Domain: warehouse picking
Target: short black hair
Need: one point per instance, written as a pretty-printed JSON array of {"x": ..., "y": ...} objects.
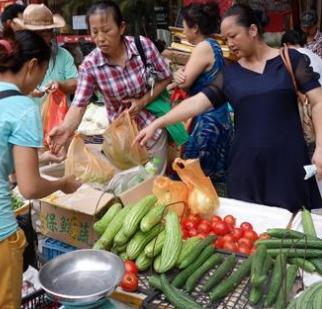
[
  {"x": 291, "y": 37},
  {"x": 11, "y": 11},
  {"x": 108, "y": 6}
]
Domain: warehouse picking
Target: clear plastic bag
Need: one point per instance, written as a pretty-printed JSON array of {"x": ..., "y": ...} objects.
[
  {"x": 118, "y": 140},
  {"x": 86, "y": 165}
]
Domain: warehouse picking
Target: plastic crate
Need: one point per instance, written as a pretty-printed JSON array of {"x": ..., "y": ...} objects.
[
  {"x": 38, "y": 300},
  {"x": 52, "y": 248}
]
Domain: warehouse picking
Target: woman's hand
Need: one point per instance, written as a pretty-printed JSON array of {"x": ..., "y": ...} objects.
[
  {"x": 57, "y": 138},
  {"x": 52, "y": 86},
  {"x": 146, "y": 133},
  {"x": 317, "y": 160},
  {"x": 71, "y": 184},
  {"x": 48, "y": 157},
  {"x": 136, "y": 106},
  {"x": 36, "y": 93},
  {"x": 179, "y": 76}
]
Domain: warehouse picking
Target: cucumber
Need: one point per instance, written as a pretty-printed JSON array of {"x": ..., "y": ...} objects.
[
  {"x": 152, "y": 218},
  {"x": 154, "y": 247},
  {"x": 187, "y": 247},
  {"x": 283, "y": 295},
  {"x": 304, "y": 264},
  {"x": 307, "y": 223},
  {"x": 257, "y": 277},
  {"x": 196, "y": 252},
  {"x": 232, "y": 281},
  {"x": 155, "y": 282},
  {"x": 123, "y": 256},
  {"x": 276, "y": 280},
  {"x": 256, "y": 293},
  {"x": 143, "y": 262},
  {"x": 286, "y": 233},
  {"x": 137, "y": 212},
  {"x": 120, "y": 238},
  {"x": 140, "y": 240},
  {"x": 198, "y": 273},
  {"x": 181, "y": 278},
  {"x": 156, "y": 263},
  {"x": 101, "y": 225},
  {"x": 317, "y": 264},
  {"x": 291, "y": 243},
  {"x": 178, "y": 300},
  {"x": 106, "y": 240},
  {"x": 306, "y": 298},
  {"x": 303, "y": 253},
  {"x": 172, "y": 243},
  {"x": 226, "y": 267}
]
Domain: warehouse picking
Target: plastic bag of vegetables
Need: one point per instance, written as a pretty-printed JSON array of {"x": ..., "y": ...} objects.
[{"x": 202, "y": 196}]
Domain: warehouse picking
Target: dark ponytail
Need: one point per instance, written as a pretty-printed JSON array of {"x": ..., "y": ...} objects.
[
  {"x": 205, "y": 16},
  {"x": 246, "y": 17},
  {"x": 22, "y": 47}
]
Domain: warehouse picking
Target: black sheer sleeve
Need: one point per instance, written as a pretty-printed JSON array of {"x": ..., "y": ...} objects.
[
  {"x": 306, "y": 78},
  {"x": 214, "y": 91}
]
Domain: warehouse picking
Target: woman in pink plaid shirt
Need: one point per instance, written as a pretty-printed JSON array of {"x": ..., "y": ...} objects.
[{"x": 116, "y": 69}]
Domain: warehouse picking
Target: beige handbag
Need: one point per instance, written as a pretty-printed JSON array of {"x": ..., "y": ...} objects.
[{"x": 302, "y": 100}]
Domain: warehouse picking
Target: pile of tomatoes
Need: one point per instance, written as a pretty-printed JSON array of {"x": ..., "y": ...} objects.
[
  {"x": 229, "y": 237},
  {"x": 130, "y": 280}
]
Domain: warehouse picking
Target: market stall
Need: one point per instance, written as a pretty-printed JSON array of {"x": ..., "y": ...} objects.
[{"x": 233, "y": 255}]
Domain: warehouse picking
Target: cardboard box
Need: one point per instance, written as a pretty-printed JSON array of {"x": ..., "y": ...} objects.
[{"x": 70, "y": 217}]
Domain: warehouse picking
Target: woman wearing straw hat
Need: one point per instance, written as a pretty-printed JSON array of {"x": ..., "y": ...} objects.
[{"x": 62, "y": 72}]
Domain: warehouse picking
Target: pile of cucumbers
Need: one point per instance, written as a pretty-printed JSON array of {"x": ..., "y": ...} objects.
[{"x": 147, "y": 233}]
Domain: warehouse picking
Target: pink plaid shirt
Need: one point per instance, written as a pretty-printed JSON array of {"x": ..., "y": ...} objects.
[
  {"x": 117, "y": 83},
  {"x": 316, "y": 45}
]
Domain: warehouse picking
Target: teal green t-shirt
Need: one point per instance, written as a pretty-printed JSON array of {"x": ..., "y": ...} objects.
[
  {"x": 20, "y": 124},
  {"x": 59, "y": 69}
]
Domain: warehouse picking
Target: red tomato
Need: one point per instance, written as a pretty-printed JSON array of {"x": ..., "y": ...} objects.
[
  {"x": 230, "y": 220},
  {"x": 205, "y": 221},
  {"x": 251, "y": 235},
  {"x": 245, "y": 242},
  {"x": 204, "y": 227},
  {"x": 218, "y": 243},
  {"x": 229, "y": 238},
  {"x": 129, "y": 282},
  {"x": 252, "y": 250},
  {"x": 246, "y": 226},
  {"x": 202, "y": 235},
  {"x": 243, "y": 249},
  {"x": 215, "y": 219},
  {"x": 194, "y": 218},
  {"x": 188, "y": 225},
  {"x": 185, "y": 234},
  {"x": 193, "y": 232},
  {"x": 230, "y": 246},
  {"x": 264, "y": 236},
  {"x": 230, "y": 227},
  {"x": 237, "y": 233},
  {"x": 220, "y": 228},
  {"x": 130, "y": 267}
]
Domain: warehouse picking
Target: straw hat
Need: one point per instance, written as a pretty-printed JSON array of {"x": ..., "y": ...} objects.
[{"x": 39, "y": 17}]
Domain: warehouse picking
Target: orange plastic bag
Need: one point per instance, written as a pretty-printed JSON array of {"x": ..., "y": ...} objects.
[
  {"x": 202, "y": 198},
  {"x": 117, "y": 145},
  {"x": 171, "y": 192},
  {"x": 54, "y": 110},
  {"x": 85, "y": 165}
]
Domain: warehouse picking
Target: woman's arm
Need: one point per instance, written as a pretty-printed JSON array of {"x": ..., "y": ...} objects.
[
  {"x": 31, "y": 185},
  {"x": 315, "y": 97},
  {"x": 188, "y": 108},
  {"x": 201, "y": 58}
]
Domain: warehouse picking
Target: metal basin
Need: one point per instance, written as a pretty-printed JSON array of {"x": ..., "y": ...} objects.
[{"x": 81, "y": 277}]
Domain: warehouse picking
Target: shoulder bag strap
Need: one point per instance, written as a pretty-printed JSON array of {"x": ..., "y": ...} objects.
[
  {"x": 9, "y": 93},
  {"x": 140, "y": 49}
]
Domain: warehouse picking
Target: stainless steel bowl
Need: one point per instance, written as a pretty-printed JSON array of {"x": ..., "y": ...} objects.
[{"x": 81, "y": 277}]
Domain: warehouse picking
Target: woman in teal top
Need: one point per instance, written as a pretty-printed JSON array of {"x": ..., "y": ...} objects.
[
  {"x": 211, "y": 132},
  {"x": 23, "y": 63}
]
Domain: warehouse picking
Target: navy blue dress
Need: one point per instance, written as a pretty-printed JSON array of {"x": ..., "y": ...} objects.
[
  {"x": 211, "y": 133},
  {"x": 268, "y": 151}
]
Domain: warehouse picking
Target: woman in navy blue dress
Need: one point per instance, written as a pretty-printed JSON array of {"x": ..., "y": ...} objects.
[{"x": 269, "y": 151}]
